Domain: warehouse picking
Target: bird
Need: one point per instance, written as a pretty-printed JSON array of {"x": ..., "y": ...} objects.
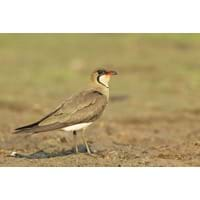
[{"x": 78, "y": 111}]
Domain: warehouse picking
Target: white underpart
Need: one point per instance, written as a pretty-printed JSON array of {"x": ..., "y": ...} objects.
[
  {"x": 77, "y": 127},
  {"x": 105, "y": 79}
]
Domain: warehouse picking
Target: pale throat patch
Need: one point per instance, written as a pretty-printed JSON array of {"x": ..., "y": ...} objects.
[{"x": 105, "y": 80}]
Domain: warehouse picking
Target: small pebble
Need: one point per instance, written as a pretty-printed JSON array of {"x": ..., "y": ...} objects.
[{"x": 13, "y": 154}]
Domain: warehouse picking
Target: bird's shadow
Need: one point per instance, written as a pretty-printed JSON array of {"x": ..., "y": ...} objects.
[{"x": 43, "y": 154}]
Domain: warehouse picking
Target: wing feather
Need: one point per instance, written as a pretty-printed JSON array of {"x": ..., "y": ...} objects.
[{"x": 84, "y": 107}]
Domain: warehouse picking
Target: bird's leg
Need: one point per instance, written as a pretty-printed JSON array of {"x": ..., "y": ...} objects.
[
  {"x": 85, "y": 142},
  {"x": 75, "y": 141}
]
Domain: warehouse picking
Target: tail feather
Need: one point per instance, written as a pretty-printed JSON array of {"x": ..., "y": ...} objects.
[
  {"x": 34, "y": 127},
  {"x": 26, "y": 129}
]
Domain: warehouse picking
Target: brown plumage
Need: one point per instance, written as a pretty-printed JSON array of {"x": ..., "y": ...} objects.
[
  {"x": 87, "y": 106},
  {"x": 78, "y": 110}
]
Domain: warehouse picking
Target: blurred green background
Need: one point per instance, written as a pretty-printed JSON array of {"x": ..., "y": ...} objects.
[{"x": 158, "y": 73}]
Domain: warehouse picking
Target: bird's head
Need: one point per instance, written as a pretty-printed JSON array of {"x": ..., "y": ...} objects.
[{"x": 102, "y": 77}]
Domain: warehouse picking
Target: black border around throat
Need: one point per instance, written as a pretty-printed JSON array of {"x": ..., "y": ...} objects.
[{"x": 98, "y": 77}]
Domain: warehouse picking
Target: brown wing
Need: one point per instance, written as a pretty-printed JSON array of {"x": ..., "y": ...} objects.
[{"x": 87, "y": 106}]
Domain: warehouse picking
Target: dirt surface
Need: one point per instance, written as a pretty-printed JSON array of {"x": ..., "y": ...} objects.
[{"x": 151, "y": 141}]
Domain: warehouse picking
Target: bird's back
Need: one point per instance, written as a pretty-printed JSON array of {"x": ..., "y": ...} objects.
[{"x": 86, "y": 106}]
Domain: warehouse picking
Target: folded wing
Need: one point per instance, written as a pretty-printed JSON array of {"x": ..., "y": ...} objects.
[{"x": 84, "y": 107}]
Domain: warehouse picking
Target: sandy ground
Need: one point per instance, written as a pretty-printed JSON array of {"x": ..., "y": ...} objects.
[{"x": 148, "y": 141}]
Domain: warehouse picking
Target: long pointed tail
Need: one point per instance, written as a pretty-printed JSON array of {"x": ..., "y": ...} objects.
[{"x": 26, "y": 129}]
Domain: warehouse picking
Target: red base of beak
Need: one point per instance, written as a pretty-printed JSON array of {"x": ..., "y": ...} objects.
[{"x": 110, "y": 73}]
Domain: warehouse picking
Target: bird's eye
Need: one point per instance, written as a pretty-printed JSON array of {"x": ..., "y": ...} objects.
[{"x": 101, "y": 72}]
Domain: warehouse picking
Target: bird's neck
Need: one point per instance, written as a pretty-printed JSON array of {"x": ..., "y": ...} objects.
[
  {"x": 105, "y": 91},
  {"x": 102, "y": 89}
]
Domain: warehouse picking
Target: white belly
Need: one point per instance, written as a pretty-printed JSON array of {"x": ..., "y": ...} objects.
[{"x": 77, "y": 127}]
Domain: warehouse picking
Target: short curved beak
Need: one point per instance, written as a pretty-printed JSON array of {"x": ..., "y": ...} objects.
[{"x": 112, "y": 73}]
